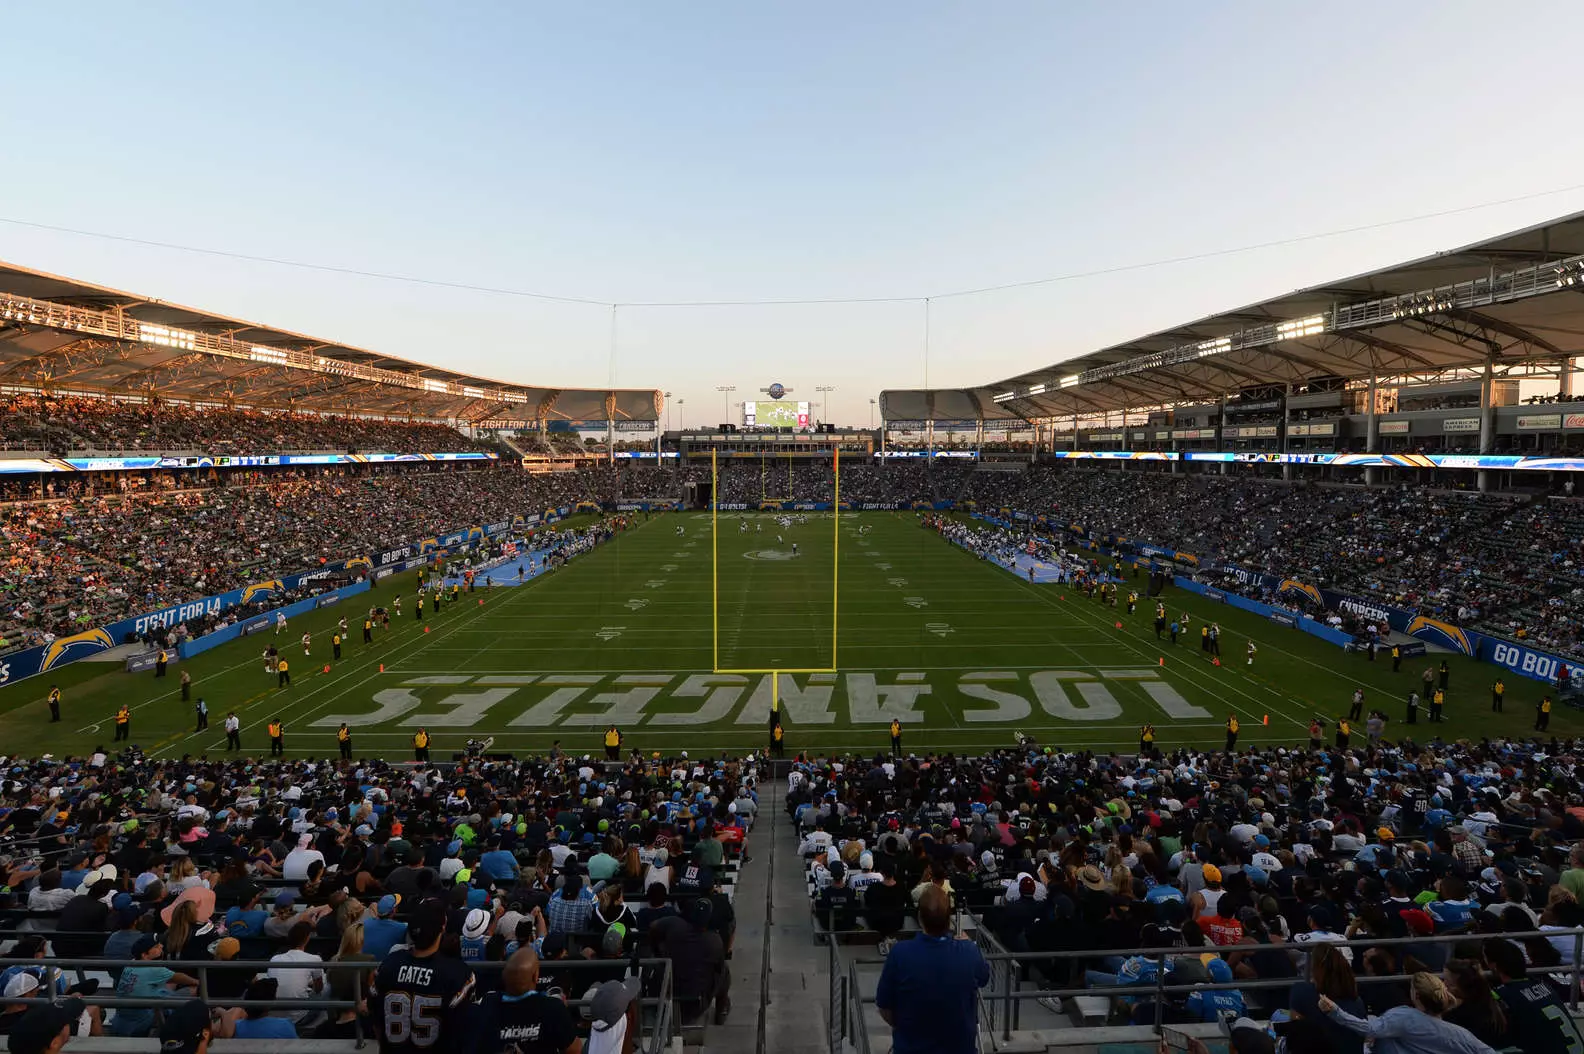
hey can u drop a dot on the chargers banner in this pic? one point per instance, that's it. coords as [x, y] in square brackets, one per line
[144, 464]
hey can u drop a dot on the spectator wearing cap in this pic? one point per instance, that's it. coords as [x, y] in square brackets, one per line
[698, 962]
[613, 1018]
[120, 943]
[928, 988]
[1320, 930]
[837, 903]
[381, 930]
[245, 920]
[187, 1029]
[147, 980]
[44, 1029]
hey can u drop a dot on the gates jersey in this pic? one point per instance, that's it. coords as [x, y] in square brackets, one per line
[419, 1001]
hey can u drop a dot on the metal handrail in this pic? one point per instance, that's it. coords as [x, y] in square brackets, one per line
[660, 1034]
[1159, 990]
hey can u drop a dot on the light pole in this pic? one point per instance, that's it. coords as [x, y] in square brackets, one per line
[824, 390]
[681, 420]
[727, 389]
[668, 410]
[871, 414]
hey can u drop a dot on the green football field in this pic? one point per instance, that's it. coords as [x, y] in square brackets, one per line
[672, 637]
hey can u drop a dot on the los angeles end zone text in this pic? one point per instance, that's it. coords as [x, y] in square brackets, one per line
[631, 700]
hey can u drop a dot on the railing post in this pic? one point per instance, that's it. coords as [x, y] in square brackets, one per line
[1160, 993]
[1578, 965]
[1006, 1011]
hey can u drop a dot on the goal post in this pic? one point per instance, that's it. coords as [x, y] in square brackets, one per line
[715, 503]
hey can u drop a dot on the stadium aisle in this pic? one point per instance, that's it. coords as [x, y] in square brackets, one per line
[796, 977]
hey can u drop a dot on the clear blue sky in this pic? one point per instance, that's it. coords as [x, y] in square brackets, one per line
[641, 151]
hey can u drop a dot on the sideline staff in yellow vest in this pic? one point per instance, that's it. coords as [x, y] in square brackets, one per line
[54, 703]
[1232, 731]
[282, 673]
[277, 738]
[1543, 714]
[1343, 732]
[421, 745]
[1498, 692]
[896, 738]
[123, 723]
[613, 738]
[778, 741]
[344, 741]
[1146, 739]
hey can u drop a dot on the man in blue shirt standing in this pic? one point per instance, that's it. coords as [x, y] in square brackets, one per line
[927, 988]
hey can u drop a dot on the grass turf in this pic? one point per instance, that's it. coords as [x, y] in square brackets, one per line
[963, 651]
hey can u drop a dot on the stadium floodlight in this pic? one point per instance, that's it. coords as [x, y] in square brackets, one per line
[263, 354]
[435, 386]
[473, 393]
[1071, 380]
[1213, 347]
[727, 389]
[1301, 327]
[1006, 397]
[1037, 389]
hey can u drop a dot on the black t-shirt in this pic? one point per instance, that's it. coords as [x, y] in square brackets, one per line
[694, 879]
[416, 999]
[528, 1024]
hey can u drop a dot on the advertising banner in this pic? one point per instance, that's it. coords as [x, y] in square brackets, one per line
[1540, 422]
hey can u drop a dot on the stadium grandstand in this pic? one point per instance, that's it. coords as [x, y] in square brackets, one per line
[1369, 473]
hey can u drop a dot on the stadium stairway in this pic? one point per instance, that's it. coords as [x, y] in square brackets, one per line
[779, 987]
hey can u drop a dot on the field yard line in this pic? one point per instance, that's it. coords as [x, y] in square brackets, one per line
[177, 692]
[1128, 641]
[413, 628]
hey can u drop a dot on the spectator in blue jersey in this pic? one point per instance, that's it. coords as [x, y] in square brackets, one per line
[246, 919]
[475, 934]
[928, 988]
[1452, 908]
[1209, 1004]
[382, 932]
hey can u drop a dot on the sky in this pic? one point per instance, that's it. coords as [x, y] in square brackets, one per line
[639, 153]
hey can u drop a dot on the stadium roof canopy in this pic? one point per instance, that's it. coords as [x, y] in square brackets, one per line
[61, 334]
[1511, 299]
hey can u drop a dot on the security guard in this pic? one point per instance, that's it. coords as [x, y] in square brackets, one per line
[123, 723]
[54, 703]
[778, 741]
[1436, 702]
[282, 673]
[277, 738]
[233, 730]
[1396, 658]
[1232, 731]
[1498, 691]
[1343, 733]
[896, 738]
[344, 741]
[421, 745]
[368, 630]
[613, 743]
[1146, 739]
[160, 663]
[1543, 714]
[335, 644]
[418, 611]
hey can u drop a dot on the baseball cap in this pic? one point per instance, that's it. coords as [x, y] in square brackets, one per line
[38, 1026]
[141, 946]
[614, 940]
[387, 905]
[285, 898]
[1212, 873]
[610, 1003]
[1419, 922]
[183, 1027]
[21, 985]
[838, 870]
[476, 924]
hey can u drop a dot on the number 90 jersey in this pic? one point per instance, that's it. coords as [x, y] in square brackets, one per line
[418, 1001]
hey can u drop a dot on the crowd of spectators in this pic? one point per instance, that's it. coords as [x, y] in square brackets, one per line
[1236, 867]
[500, 874]
[70, 565]
[79, 423]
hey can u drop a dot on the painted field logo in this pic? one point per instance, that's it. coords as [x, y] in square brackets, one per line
[768, 554]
